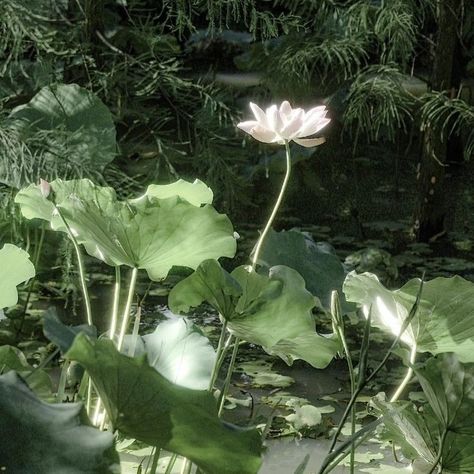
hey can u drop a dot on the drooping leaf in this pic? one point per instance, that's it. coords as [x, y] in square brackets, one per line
[11, 358]
[419, 433]
[273, 311]
[211, 283]
[444, 321]
[60, 334]
[143, 404]
[15, 268]
[49, 438]
[82, 121]
[321, 269]
[180, 352]
[147, 232]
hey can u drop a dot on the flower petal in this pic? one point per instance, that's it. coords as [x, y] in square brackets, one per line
[263, 134]
[285, 111]
[259, 114]
[247, 126]
[309, 142]
[312, 127]
[291, 128]
[274, 120]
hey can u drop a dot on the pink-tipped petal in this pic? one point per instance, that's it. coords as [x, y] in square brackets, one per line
[264, 135]
[247, 126]
[309, 142]
[259, 114]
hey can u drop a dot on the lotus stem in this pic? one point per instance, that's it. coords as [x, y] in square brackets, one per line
[230, 370]
[80, 264]
[275, 208]
[128, 305]
[408, 376]
[115, 305]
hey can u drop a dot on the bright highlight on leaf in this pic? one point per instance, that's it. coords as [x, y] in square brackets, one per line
[15, 268]
[165, 227]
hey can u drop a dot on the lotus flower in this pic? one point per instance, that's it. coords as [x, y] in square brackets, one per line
[45, 188]
[283, 124]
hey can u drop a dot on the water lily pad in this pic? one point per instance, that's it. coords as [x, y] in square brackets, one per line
[144, 405]
[16, 268]
[49, 438]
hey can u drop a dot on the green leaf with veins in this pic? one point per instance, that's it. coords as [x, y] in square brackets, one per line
[49, 438]
[148, 232]
[144, 405]
[449, 389]
[15, 268]
[271, 310]
[444, 321]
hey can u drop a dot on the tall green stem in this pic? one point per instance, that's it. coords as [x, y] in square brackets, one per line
[408, 376]
[128, 305]
[275, 208]
[115, 305]
[80, 264]
[230, 370]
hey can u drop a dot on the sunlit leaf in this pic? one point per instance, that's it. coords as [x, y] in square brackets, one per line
[271, 310]
[49, 438]
[143, 404]
[444, 321]
[15, 268]
[147, 232]
[180, 352]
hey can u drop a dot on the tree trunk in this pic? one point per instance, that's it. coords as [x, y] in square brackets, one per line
[430, 212]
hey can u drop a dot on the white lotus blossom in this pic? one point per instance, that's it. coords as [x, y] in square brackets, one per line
[45, 188]
[282, 124]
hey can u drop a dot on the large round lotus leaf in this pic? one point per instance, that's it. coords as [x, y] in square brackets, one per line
[180, 352]
[444, 321]
[144, 405]
[147, 232]
[46, 438]
[15, 268]
[195, 193]
[321, 269]
[81, 120]
[271, 310]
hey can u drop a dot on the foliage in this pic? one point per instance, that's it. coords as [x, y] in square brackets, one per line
[16, 268]
[257, 308]
[143, 404]
[449, 116]
[442, 322]
[147, 232]
[73, 445]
